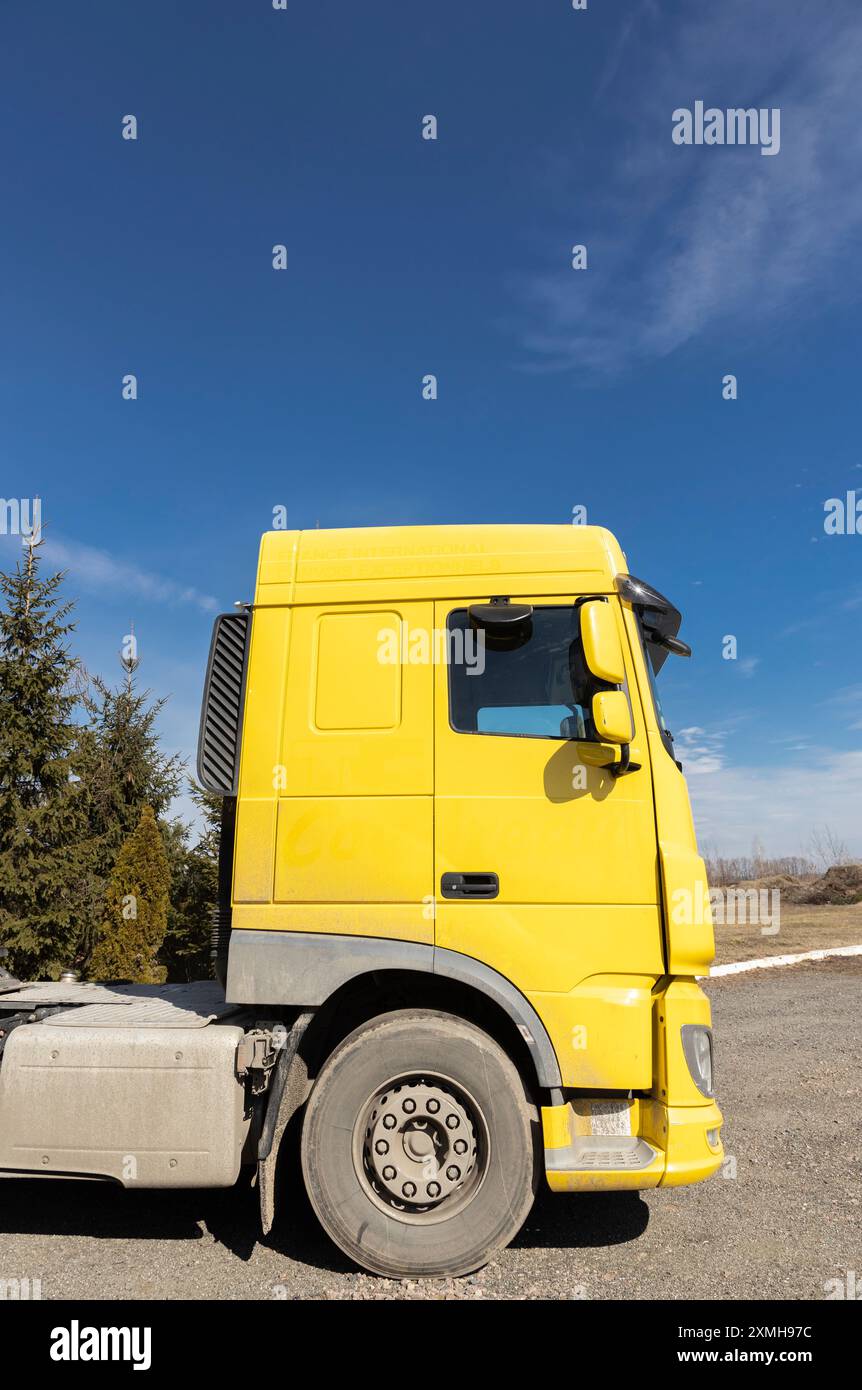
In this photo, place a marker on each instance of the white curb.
(738, 966)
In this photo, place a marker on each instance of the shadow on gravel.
(105, 1211)
(583, 1221)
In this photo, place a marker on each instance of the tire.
(479, 1148)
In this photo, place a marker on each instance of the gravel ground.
(789, 1220)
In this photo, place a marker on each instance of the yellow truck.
(460, 918)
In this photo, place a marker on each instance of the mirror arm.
(625, 763)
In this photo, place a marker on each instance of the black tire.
(420, 1052)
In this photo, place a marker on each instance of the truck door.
(545, 866)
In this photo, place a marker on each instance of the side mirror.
(603, 651)
(612, 716)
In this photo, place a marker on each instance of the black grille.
(221, 715)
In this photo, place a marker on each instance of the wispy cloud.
(847, 703)
(100, 572)
(748, 665)
(698, 751)
(685, 240)
(629, 27)
(780, 806)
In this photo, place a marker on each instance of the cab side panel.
(346, 823)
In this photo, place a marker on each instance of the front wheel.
(420, 1146)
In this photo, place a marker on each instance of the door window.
(540, 689)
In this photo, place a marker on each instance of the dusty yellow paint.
(329, 849)
(357, 796)
(602, 1030)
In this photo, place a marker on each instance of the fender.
(302, 969)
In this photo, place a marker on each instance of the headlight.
(697, 1046)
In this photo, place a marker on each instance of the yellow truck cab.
(461, 905)
(461, 829)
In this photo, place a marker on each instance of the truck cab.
(461, 904)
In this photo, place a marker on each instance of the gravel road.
(788, 1221)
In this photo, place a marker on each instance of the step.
(602, 1153)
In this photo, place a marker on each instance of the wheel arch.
(363, 997)
(340, 976)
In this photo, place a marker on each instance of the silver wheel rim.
(421, 1148)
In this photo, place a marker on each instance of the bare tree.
(722, 871)
(826, 848)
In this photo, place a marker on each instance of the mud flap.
(290, 1089)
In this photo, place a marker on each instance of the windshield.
(654, 660)
(658, 625)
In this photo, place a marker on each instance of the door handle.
(471, 885)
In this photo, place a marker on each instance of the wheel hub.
(420, 1145)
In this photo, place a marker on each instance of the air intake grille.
(221, 715)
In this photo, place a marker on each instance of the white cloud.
(99, 572)
(779, 806)
(688, 239)
(698, 751)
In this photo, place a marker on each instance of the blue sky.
(557, 387)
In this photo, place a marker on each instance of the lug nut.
(460, 1146)
(409, 1189)
(453, 1173)
(409, 1106)
(433, 1189)
(433, 1106)
(381, 1147)
(389, 1122)
(389, 1172)
(452, 1122)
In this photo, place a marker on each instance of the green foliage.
(123, 769)
(85, 796)
(45, 883)
(123, 766)
(136, 908)
(194, 891)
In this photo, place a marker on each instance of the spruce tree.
(136, 909)
(44, 882)
(123, 769)
(124, 766)
(194, 890)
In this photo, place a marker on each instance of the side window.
(540, 689)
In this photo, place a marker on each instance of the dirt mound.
(841, 884)
(791, 888)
